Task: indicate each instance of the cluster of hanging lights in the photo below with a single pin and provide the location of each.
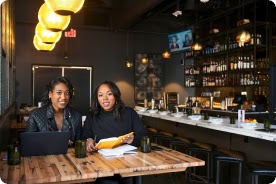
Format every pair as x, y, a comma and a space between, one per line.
54, 16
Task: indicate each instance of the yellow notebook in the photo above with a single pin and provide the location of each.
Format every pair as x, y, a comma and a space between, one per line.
111, 142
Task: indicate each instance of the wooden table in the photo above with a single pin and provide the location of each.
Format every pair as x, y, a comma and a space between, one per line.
68, 169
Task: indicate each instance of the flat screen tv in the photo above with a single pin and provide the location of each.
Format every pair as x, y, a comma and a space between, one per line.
180, 41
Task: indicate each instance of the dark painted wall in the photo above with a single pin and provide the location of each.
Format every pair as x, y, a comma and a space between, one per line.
102, 49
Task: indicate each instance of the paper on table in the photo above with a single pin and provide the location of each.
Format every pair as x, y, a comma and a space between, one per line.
120, 150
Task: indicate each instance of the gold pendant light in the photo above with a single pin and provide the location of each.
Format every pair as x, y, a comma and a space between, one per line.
39, 45
47, 36
65, 7
196, 46
52, 21
166, 55
243, 36
144, 60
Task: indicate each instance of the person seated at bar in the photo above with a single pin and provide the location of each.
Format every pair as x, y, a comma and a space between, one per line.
56, 114
110, 118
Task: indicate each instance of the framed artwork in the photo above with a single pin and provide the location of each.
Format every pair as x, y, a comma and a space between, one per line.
149, 77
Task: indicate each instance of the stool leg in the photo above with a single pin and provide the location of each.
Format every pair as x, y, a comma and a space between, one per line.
218, 172
240, 172
208, 168
257, 178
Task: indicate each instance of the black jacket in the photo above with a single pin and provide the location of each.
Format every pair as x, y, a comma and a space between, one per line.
42, 120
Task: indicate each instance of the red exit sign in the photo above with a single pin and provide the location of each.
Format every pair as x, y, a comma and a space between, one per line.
71, 33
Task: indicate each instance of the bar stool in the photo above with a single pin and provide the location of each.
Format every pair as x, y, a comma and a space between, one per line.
163, 138
202, 151
261, 168
160, 137
229, 156
180, 143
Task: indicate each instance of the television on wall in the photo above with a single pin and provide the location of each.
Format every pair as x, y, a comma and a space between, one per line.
180, 41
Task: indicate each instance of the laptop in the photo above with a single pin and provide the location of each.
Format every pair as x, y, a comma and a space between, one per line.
44, 143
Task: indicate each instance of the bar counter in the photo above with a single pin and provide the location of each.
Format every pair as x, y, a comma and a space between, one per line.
224, 127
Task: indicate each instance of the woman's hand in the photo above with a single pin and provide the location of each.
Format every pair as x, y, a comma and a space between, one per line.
90, 145
128, 139
70, 143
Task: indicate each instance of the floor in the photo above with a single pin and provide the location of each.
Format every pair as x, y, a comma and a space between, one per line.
164, 179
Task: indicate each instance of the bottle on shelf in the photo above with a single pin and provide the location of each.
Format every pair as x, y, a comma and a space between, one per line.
152, 103
145, 102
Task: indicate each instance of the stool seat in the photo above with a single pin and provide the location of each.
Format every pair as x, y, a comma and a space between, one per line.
153, 130
262, 167
183, 139
200, 146
230, 155
166, 134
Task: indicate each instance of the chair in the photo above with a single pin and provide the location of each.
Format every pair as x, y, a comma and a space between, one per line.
202, 151
229, 156
261, 168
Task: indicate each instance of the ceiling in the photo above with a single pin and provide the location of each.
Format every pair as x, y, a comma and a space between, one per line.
149, 15
156, 15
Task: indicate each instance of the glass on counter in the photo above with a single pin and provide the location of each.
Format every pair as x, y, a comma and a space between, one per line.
267, 124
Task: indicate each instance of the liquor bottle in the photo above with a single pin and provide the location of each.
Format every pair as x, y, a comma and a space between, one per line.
152, 103
145, 102
192, 69
196, 102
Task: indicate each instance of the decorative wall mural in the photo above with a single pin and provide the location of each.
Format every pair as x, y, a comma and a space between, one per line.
149, 78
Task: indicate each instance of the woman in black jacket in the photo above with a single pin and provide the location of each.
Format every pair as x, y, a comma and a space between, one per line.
55, 114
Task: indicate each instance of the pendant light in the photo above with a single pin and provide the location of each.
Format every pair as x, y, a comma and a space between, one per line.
47, 36
52, 21
128, 63
204, 1
144, 59
196, 46
243, 36
177, 11
65, 7
166, 54
39, 45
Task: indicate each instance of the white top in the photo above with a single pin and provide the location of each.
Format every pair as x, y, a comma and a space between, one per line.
222, 125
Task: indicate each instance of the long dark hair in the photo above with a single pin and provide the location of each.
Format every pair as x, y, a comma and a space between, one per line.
96, 109
51, 86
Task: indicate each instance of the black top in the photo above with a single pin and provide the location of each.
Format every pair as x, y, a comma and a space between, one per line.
105, 126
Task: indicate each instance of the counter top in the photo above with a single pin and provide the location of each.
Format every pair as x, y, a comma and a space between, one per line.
225, 126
